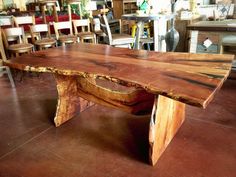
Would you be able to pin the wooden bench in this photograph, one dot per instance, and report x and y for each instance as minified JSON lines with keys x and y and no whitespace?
{"x":132,"y":80}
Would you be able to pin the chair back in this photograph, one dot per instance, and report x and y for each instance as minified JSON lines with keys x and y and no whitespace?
{"x":106,"y":28}
{"x":19,"y":21}
{"x":74,"y":2}
{"x":13,"y":34}
{"x":6,"y":21}
{"x":37,"y":30}
{"x":83,"y":23}
{"x":52,"y":4}
{"x":2,"y":50}
{"x":59,"y":26}
{"x":96,"y":24}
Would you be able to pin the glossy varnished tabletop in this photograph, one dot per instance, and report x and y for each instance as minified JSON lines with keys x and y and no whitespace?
{"x":190,"y":78}
{"x":166,"y":80}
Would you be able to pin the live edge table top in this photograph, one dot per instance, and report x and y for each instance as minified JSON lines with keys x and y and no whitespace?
{"x":189,"y":78}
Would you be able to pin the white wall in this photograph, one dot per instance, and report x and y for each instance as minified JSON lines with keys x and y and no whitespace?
{"x":160,"y":5}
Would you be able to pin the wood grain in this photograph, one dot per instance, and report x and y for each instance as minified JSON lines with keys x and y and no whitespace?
{"x":189,"y":78}
{"x":129,"y":80}
{"x":69,"y":103}
{"x":74,"y":91}
{"x":167,"y":116}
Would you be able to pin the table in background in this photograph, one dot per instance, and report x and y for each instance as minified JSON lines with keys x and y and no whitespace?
{"x":212,"y":30}
{"x":160,"y":28}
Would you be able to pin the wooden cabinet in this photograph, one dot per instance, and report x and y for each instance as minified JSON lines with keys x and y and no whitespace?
{"x":124,"y":7}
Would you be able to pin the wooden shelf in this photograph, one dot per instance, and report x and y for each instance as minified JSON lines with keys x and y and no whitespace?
{"x":121,"y":7}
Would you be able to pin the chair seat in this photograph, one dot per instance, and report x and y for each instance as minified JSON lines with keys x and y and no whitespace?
{"x":20,"y":48}
{"x":120,"y":39}
{"x":68,"y":39}
{"x":86,"y":35}
{"x":147,"y":40}
{"x":229,"y":40}
{"x":45,"y":42}
{"x":100,"y":33}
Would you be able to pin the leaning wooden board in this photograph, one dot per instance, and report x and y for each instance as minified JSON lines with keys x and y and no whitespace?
{"x":166,"y":80}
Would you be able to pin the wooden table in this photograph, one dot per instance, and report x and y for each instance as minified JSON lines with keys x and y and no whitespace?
{"x":213,"y":30}
{"x":160,"y":28}
{"x":166,"y":81}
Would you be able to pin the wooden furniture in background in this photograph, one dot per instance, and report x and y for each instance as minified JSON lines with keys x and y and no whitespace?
{"x":24,"y":21}
{"x":74,"y":2}
{"x":50,"y":3}
{"x":102,"y":11}
{"x":96,"y":28}
{"x":159,"y":28}
{"x":181,"y":27}
{"x":6,"y":21}
{"x":20,"y":44}
{"x":5,"y":69}
{"x":117,"y":40}
{"x":85,"y":33}
{"x":215,"y":31}
{"x":60,"y":36}
{"x":41,"y":36}
{"x":121,"y":7}
{"x":174,"y":79}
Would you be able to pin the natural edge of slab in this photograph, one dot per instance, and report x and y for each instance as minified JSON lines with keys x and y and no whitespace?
{"x":167,"y":116}
{"x":69,"y":103}
{"x":182,"y":98}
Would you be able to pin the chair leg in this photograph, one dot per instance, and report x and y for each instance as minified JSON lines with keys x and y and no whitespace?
{"x":10,"y":77}
{"x":221,"y":49}
{"x":148,"y":46}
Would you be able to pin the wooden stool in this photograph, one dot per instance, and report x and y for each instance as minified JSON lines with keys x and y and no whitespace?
{"x":146,"y":39}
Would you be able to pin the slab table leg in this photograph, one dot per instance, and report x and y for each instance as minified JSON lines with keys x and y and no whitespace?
{"x":167,"y":116}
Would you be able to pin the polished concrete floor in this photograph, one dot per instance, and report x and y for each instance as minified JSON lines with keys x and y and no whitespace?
{"x":104,"y":142}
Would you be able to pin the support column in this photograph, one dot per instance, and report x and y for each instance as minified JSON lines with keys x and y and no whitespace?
{"x":69,"y":102}
{"x":167,"y":116}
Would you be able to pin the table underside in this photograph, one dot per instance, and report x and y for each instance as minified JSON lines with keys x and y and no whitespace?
{"x":76,"y":94}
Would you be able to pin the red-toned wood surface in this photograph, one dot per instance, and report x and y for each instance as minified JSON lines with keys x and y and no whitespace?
{"x":189,"y":78}
{"x":167,"y":116}
{"x":80,"y":70}
{"x":69,"y":103}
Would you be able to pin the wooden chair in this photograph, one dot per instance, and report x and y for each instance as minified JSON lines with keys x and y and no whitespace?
{"x":41,"y":36}
{"x":49,"y":3}
{"x":74,"y":2}
{"x":117,"y":40}
{"x":85,"y":33}
{"x":96,"y":28}
{"x":15,"y":41}
{"x":6,"y":21}
{"x":59,"y":27}
{"x":22,"y":21}
{"x":5,"y":69}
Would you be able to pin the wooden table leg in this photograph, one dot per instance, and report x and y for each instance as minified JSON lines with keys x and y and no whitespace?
{"x":69,"y":102}
{"x":167,"y":116}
